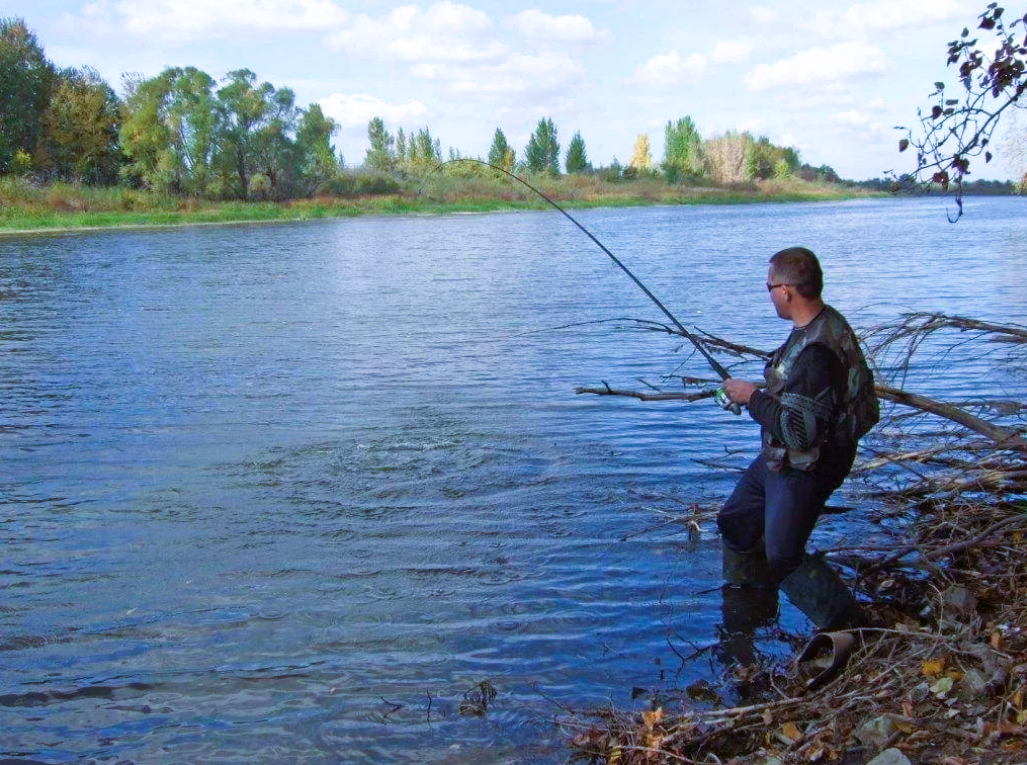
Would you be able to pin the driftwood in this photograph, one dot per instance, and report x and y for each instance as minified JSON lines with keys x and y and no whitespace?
{"x":912,"y":456}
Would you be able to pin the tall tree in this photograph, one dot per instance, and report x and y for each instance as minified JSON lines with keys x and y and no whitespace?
{"x":424,"y":152}
{"x":171,"y":131}
{"x":318,"y":161}
{"x":401,"y":148}
{"x":577,"y":159}
{"x":276,"y":156}
{"x":500,"y":152}
{"x":380,"y":154}
{"x":683,"y":151}
{"x":641,"y":156}
{"x":726,"y":155}
{"x":26,"y":82}
{"x":244,"y":105}
{"x":81,"y":128}
{"x":542,"y":153}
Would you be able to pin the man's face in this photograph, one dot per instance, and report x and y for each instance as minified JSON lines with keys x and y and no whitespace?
{"x":779,"y":295}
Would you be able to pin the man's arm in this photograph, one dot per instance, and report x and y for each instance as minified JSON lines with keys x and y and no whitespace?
{"x":808,"y":403}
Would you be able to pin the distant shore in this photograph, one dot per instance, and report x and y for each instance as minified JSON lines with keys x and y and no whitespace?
{"x":27,"y":208}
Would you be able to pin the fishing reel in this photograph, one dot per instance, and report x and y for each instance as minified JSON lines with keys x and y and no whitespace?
{"x":724,"y":402}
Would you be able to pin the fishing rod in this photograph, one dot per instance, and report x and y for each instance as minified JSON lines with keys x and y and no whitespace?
{"x":720,"y":396}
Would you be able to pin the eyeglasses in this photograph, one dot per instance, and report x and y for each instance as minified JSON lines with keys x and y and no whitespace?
{"x":772,"y":287}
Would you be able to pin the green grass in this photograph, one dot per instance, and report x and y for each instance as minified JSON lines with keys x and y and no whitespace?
{"x":25,"y":206}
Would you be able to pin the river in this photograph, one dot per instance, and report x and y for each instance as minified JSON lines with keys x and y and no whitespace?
{"x":286,"y":493}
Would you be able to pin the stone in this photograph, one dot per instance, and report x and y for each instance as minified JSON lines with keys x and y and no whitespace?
{"x":890,"y":757}
{"x":960,"y":600}
{"x":876,"y":732}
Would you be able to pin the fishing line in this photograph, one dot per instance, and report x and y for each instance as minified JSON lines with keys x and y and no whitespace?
{"x":716,"y":366}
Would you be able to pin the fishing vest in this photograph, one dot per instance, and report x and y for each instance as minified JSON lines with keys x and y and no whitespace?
{"x":855,"y":414}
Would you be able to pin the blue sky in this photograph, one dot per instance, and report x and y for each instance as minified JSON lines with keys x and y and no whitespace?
{"x":830,"y":78}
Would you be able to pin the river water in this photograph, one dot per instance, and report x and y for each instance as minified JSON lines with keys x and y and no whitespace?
{"x":286,"y":493}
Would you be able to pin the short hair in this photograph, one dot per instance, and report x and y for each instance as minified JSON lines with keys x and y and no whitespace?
{"x":800,"y":268}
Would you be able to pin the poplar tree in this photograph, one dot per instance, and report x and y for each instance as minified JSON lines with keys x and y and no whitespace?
{"x":641,"y":155}
{"x":683,"y":154}
{"x":380,"y":154}
{"x":500,"y":153}
{"x":542,"y":154}
{"x":577,"y":160}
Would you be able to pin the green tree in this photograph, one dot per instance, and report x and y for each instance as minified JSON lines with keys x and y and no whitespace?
{"x":244,"y":105}
{"x":424,"y":152}
{"x":81,"y":128}
{"x":683,"y":154}
{"x":759,"y":159}
{"x":171,"y":131}
{"x":318,"y":161}
{"x":276,"y":155}
{"x":380,"y":154}
{"x":26,"y":82}
{"x":542,"y":153}
{"x":577,"y":160}
{"x":500,"y":152}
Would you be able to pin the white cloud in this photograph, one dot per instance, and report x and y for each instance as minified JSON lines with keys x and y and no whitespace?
{"x":353,"y":110}
{"x":762,"y":15}
{"x":857,"y":121}
{"x":537,"y":24}
{"x":670,"y":69}
{"x":881,"y":15}
{"x":819,"y":65}
{"x":731,"y":52}
{"x":546,"y":72}
{"x":444,"y":32}
{"x":193,"y":18}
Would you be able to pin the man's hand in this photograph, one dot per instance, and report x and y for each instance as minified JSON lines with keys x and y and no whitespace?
{"x":739,"y":391}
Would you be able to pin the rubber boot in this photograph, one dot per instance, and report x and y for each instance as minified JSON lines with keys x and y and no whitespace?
{"x":816,"y":589}
{"x":748,"y":568}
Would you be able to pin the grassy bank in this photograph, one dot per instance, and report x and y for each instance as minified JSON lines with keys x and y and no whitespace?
{"x":27,"y":206}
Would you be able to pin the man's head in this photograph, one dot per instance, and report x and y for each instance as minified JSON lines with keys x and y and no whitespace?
{"x":795,"y":282}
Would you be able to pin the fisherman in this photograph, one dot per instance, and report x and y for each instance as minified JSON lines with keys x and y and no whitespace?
{"x":818,"y":402}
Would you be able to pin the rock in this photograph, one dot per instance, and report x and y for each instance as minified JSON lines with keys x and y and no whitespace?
{"x":877,"y":731}
{"x":975,"y":682}
{"x":960,"y":600}
{"x":890,"y":757}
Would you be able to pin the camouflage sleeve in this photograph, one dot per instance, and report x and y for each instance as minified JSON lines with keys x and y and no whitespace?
{"x":808,"y":403}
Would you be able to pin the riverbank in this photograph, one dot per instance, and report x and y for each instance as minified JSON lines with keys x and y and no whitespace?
{"x":28,"y":207}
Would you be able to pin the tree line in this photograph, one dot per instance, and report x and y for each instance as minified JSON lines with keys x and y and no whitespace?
{"x":181,"y":132}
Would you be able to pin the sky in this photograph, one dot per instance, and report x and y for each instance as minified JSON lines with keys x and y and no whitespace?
{"x":832,"y":79}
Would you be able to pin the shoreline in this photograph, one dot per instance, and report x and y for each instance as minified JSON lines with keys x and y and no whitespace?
{"x":299,"y":211}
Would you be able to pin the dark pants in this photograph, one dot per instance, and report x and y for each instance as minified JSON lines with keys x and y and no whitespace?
{"x":781,"y":507}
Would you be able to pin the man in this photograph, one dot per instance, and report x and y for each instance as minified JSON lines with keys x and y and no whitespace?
{"x":818,"y":402}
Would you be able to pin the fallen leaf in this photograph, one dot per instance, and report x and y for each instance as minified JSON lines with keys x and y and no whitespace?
{"x":791,"y":732}
{"x":907,"y":708}
{"x":768,"y":718}
{"x":942,"y":687}
{"x":933,"y":667}
{"x":652,"y":719}
{"x":996,"y":639}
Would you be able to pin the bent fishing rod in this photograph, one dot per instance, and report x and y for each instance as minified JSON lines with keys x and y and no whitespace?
{"x":720,"y":396}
